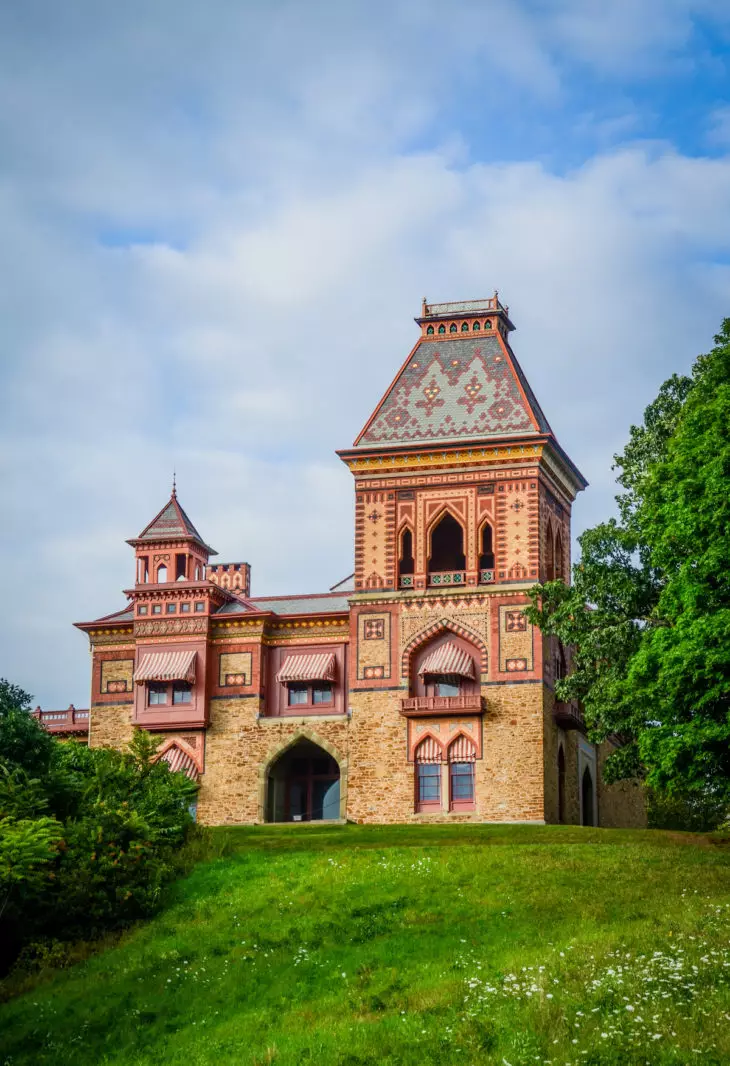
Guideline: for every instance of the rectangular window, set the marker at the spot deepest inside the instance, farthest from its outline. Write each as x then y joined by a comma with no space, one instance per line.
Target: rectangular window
171,608
199,606
428,785
142,609
182,692
322,693
447,688
298,694
157,608
184,608
461,784
156,693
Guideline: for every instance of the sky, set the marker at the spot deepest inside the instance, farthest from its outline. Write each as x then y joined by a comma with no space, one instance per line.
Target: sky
218,222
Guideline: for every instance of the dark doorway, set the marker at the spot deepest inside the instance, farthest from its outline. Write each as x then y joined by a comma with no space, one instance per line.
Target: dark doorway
486,558
405,563
303,786
561,785
447,546
586,791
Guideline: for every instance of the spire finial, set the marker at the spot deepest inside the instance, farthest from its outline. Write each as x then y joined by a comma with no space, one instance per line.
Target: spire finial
174,487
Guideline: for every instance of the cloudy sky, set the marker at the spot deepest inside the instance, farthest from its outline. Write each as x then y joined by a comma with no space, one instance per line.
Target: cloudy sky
218,221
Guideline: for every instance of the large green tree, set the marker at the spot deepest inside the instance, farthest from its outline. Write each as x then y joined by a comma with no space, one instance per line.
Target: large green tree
648,613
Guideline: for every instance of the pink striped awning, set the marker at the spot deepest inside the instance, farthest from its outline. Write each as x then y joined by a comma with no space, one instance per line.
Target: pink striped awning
428,751
177,759
448,659
166,666
319,666
462,750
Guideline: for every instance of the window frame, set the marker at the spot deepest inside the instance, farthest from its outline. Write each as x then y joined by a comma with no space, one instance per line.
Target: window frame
428,771
158,688
462,803
309,687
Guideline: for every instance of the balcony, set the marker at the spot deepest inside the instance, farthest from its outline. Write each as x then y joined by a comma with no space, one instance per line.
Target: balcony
447,577
568,716
432,706
69,722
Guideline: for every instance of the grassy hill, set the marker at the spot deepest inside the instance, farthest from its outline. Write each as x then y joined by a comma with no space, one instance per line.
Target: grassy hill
409,945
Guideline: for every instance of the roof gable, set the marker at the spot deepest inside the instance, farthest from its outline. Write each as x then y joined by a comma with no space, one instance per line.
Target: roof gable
467,387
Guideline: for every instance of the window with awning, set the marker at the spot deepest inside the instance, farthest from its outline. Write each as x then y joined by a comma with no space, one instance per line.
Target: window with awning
312,666
165,666
448,660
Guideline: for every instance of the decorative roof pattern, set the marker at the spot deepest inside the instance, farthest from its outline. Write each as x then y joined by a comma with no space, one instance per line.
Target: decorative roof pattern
457,388
170,523
324,603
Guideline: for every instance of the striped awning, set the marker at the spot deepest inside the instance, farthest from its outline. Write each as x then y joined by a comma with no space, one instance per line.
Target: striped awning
319,666
462,750
448,659
428,751
166,666
177,760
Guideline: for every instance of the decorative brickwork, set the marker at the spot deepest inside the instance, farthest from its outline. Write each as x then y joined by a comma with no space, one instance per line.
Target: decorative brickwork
516,642
234,668
116,675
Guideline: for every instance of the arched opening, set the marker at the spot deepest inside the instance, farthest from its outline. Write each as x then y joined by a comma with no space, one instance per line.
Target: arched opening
161,574
462,762
452,328
559,556
406,562
428,757
488,324
181,567
442,329
429,331
464,327
444,668
447,546
549,553
477,325
561,785
303,785
486,555
586,793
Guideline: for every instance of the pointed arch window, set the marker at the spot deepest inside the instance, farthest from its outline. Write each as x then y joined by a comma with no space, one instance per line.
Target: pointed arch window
486,546
462,759
442,329
428,758
447,546
161,574
452,328
406,563
488,324
429,331
464,327
477,325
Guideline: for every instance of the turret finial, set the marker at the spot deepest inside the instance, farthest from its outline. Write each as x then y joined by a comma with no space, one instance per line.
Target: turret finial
174,487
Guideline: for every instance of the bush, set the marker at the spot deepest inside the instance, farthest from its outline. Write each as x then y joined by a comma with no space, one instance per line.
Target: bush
88,837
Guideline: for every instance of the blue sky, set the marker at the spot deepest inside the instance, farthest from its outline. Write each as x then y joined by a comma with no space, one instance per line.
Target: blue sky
218,223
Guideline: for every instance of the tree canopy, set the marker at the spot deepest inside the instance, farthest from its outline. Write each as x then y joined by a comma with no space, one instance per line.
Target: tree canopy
648,613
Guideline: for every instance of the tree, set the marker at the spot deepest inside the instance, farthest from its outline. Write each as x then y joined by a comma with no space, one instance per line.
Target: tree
648,613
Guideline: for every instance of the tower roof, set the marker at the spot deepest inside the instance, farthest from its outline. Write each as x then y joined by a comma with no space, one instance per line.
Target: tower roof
171,523
462,381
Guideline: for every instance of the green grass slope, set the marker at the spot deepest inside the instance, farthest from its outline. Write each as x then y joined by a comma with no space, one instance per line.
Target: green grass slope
409,945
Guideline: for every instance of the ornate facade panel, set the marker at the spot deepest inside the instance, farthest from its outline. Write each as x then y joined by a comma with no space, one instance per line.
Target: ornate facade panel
235,668
373,646
444,731
516,641
518,531
470,616
375,540
116,675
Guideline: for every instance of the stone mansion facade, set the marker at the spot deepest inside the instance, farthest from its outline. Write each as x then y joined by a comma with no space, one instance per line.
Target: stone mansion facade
415,690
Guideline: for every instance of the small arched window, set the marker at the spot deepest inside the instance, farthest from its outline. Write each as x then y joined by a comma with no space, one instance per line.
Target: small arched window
477,325
561,785
429,331
464,327
488,324
428,758
452,328
549,553
447,546
462,757
442,329
161,574
486,557
405,562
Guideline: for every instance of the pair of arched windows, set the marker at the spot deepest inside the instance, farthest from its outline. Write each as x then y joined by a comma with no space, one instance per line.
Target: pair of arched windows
554,556
460,761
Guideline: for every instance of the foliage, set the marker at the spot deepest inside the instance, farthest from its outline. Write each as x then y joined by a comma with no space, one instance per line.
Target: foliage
88,838
408,946
648,613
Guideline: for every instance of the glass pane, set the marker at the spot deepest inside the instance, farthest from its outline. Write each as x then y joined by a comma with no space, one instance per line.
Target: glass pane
447,688
429,782
157,693
297,694
181,693
322,694
462,781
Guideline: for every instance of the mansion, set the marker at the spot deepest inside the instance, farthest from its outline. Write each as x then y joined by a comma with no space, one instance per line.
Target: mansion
414,690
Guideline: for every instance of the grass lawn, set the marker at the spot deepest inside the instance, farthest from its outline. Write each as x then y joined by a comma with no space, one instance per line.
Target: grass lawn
409,945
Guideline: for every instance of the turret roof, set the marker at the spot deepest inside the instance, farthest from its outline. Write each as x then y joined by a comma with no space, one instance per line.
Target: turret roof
172,523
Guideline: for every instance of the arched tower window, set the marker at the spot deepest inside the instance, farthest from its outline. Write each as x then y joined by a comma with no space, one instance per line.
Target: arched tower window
486,556
464,327
462,758
181,567
488,324
406,563
428,758
549,553
161,574
452,328
561,785
559,562
442,329
429,331
447,546
477,325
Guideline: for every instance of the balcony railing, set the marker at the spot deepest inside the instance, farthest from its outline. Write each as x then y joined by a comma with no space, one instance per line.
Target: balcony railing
68,721
429,706
486,577
447,577
568,716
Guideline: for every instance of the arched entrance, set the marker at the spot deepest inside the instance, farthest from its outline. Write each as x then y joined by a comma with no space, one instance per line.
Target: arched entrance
586,788
303,785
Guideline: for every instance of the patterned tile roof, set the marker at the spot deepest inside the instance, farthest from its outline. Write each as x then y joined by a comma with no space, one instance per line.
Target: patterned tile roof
324,603
171,522
466,387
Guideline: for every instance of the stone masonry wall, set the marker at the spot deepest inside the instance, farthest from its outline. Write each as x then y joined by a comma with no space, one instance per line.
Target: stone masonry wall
110,725
620,806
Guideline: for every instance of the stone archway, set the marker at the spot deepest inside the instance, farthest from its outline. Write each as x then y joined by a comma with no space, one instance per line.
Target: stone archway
304,780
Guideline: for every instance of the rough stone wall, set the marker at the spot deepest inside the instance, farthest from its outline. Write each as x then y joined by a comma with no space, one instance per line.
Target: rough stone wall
110,725
620,806
553,739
